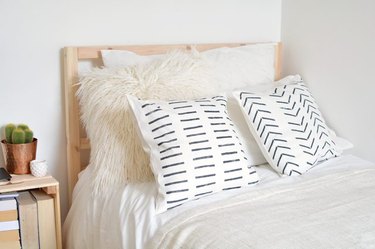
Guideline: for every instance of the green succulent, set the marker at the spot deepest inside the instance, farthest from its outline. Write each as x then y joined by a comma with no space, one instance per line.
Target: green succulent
19,134
23,126
8,132
28,135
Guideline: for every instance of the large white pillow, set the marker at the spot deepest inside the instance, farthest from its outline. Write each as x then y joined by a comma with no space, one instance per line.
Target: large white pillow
288,127
125,58
230,67
194,150
242,66
116,151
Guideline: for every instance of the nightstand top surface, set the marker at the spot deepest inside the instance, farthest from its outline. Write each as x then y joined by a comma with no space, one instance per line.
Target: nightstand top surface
24,182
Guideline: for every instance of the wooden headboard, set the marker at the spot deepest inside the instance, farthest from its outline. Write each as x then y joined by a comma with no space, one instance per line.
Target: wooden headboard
77,143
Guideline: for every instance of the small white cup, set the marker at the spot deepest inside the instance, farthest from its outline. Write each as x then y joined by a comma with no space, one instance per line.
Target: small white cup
38,168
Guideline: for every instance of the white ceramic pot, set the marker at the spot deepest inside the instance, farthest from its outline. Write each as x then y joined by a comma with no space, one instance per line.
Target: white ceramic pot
38,168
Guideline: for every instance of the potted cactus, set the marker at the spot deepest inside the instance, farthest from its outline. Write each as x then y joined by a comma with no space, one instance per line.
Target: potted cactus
19,148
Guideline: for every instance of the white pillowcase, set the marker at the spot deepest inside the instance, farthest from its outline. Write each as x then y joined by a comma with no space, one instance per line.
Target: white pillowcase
124,58
288,127
230,67
194,150
252,150
342,144
242,66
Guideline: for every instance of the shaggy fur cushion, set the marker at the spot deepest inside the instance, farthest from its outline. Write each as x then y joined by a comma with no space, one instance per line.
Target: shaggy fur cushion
116,150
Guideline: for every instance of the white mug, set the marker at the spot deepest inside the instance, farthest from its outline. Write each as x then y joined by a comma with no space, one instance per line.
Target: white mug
38,168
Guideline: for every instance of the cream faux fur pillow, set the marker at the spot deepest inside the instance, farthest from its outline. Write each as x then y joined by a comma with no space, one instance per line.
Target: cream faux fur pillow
116,150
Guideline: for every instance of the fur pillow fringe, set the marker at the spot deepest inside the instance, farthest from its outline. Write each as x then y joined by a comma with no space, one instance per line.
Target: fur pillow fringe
117,156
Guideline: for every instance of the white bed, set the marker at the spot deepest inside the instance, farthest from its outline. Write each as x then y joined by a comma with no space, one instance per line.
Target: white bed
116,204
331,207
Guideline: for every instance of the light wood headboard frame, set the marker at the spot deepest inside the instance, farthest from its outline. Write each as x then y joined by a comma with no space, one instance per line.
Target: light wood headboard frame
76,143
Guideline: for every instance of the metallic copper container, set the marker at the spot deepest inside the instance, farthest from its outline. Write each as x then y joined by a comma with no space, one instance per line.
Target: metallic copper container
18,156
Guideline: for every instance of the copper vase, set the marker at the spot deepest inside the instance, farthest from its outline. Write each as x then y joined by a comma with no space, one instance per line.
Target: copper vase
18,156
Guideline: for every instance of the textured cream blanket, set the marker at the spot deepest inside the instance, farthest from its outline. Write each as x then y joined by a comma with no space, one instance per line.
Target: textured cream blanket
331,211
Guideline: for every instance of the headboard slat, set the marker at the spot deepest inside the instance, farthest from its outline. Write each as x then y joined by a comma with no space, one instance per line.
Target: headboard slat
277,64
94,52
85,144
72,119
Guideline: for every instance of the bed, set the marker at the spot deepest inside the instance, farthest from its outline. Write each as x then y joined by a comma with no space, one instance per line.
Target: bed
321,199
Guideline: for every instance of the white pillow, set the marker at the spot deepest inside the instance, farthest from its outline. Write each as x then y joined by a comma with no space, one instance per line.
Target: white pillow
342,144
252,150
124,58
288,127
242,66
194,150
230,67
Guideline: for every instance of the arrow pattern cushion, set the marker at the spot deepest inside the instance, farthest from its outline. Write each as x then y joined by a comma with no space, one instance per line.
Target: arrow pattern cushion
288,127
194,149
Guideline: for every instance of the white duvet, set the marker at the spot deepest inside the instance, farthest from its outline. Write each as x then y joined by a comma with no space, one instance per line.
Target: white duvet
332,206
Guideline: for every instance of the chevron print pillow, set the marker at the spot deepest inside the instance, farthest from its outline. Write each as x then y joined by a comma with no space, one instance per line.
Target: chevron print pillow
288,127
194,149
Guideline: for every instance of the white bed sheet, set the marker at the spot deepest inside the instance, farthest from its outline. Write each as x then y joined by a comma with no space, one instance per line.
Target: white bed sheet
126,218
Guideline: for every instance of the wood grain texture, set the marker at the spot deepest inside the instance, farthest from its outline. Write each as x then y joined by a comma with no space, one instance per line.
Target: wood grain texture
278,57
72,122
94,52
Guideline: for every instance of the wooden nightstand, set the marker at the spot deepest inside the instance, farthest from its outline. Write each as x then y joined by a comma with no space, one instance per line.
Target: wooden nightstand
48,184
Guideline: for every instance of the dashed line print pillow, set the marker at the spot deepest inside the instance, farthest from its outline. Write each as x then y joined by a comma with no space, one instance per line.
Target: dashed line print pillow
193,147
288,127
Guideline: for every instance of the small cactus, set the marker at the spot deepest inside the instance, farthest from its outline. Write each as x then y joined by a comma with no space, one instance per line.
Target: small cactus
8,132
22,126
28,135
18,136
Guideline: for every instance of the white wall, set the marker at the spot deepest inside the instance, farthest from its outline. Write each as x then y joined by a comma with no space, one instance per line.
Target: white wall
331,44
32,34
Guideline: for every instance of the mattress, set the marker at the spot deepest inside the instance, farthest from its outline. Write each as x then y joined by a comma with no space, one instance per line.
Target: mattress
332,206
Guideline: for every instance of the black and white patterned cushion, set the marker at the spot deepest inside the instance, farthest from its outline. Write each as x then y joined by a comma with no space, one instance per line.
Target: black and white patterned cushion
194,149
288,127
